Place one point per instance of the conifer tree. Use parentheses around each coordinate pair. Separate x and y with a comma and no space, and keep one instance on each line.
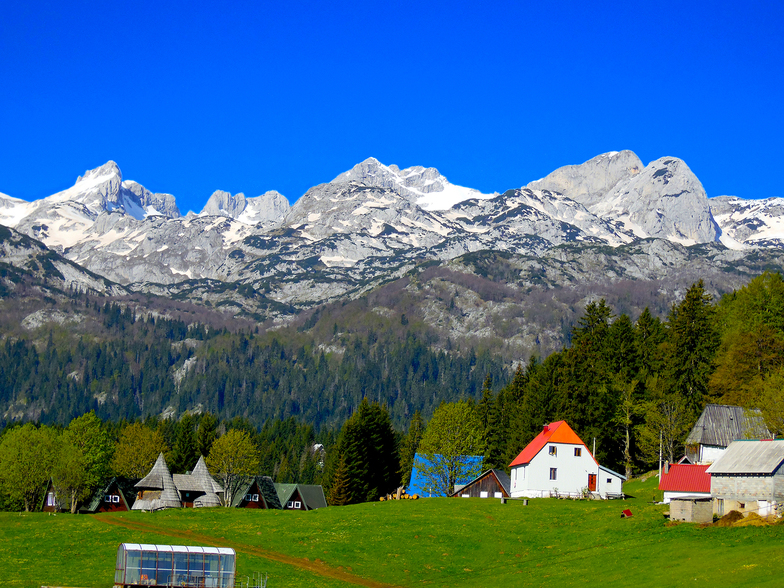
(339,494)
(184,452)
(694,340)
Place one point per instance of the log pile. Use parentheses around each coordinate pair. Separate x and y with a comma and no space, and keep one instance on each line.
(400,494)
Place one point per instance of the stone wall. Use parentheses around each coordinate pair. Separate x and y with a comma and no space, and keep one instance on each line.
(691,511)
(744,487)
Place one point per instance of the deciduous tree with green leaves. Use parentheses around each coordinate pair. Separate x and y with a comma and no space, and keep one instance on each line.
(27,454)
(136,451)
(453,434)
(87,437)
(233,460)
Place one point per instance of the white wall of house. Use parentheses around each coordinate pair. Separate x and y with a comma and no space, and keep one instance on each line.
(669,495)
(535,479)
(710,453)
(610,483)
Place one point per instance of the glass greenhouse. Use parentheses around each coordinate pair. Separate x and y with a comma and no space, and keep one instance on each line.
(174,565)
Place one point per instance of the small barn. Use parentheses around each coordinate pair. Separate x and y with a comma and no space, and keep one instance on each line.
(691,509)
(301,496)
(259,492)
(679,480)
(489,484)
(749,477)
(718,426)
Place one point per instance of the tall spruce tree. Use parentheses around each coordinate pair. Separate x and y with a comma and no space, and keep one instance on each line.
(184,452)
(694,339)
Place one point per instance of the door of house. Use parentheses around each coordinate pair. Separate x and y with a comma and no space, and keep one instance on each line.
(592,482)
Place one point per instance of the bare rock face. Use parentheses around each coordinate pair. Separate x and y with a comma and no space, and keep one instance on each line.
(665,200)
(266,210)
(589,183)
(152,203)
(224,204)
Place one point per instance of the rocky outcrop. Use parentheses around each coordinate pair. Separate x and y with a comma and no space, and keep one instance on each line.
(589,183)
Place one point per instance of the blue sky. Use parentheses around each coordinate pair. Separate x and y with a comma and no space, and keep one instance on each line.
(190,97)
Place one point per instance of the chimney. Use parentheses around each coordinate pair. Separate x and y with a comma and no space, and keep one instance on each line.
(545,429)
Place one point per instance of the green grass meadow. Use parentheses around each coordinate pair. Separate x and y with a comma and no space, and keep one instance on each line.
(433,542)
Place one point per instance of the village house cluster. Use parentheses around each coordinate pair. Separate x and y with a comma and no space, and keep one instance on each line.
(731,463)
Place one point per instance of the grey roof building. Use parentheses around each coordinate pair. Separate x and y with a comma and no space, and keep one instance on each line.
(159,489)
(718,426)
(749,477)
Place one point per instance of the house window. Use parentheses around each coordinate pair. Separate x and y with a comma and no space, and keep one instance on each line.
(498,495)
(115,499)
(107,498)
(483,494)
(255,498)
(553,450)
(578,451)
(50,501)
(553,473)
(297,504)
(248,498)
(609,480)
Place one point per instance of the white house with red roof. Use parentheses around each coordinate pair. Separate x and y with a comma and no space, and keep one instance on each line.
(685,479)
(558,463)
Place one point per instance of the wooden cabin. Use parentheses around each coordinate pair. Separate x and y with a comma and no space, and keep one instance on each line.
(300,496)
(489,484)
(258,493)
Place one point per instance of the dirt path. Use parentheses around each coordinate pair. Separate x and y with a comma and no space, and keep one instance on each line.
(316,567)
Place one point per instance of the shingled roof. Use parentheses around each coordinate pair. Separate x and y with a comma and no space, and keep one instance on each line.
(161,479)
(266,489)
(201,475)
(721,424)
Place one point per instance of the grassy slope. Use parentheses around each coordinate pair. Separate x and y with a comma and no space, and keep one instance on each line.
(439,542)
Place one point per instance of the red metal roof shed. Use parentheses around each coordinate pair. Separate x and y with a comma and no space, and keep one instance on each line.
(686,478)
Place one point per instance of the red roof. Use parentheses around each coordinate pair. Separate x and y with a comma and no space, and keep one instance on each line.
(558,432)
(686,478)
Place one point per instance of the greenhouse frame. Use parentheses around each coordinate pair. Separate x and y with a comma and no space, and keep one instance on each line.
(174,565)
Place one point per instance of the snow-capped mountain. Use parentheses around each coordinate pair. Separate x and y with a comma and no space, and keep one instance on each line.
(375,221)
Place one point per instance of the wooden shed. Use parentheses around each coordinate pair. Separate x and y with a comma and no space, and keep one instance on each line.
(490,484)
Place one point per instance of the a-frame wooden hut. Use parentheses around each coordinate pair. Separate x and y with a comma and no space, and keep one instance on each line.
(110,498)
(258,493)
(301,496)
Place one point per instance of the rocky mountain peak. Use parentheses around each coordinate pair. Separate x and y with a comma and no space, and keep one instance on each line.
(590,182)
(108,170)
(224,204)
(664,200)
